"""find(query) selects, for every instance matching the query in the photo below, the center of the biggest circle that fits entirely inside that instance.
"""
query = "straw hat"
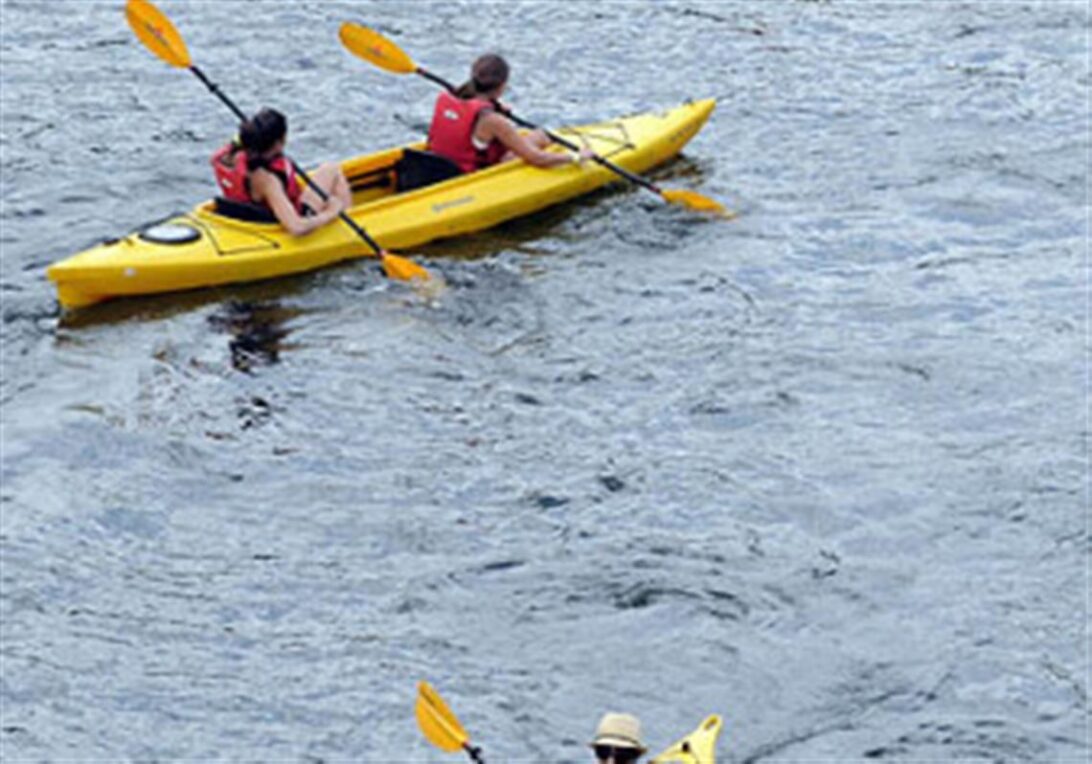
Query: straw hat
(621, 730)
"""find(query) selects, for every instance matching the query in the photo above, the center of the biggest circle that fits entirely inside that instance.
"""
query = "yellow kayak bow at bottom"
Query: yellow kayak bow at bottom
(699, 747)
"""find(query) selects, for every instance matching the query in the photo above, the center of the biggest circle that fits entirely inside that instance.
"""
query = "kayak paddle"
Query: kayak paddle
(368, 44)
(439, 725)
(158, 34)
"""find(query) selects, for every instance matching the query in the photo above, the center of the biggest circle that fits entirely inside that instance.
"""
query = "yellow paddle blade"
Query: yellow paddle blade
(374, 47)
(699, 747)
(157, 33)
(402, 269)
(695, 201)
(436, 721)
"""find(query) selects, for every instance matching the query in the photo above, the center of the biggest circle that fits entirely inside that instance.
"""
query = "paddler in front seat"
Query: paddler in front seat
(254, 170)
(468, 128)
(618, 739)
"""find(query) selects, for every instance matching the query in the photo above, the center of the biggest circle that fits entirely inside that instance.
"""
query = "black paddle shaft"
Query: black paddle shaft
(552, 136)
(215, 90)
(573, 147)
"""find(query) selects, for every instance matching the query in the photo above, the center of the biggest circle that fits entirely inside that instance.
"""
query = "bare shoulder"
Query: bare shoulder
(489, 116)
(497, 123)
(260, 175)
(262, 180)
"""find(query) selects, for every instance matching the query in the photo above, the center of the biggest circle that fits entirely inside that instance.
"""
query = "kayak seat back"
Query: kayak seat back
(249, 213)
(417, 169)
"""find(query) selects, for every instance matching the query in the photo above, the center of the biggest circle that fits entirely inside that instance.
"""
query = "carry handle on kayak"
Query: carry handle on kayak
(159, 35)
(368, 44)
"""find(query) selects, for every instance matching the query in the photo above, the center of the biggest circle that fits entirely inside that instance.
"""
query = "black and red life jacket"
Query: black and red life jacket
(451, 134)
(232, 168)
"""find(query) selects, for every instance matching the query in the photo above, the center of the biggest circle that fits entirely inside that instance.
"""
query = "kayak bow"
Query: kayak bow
(699, 747)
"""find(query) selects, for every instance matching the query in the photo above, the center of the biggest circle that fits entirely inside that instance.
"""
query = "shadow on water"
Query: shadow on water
(256, 329)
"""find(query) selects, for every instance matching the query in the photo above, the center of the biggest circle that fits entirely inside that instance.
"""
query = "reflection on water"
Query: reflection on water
(256, 331)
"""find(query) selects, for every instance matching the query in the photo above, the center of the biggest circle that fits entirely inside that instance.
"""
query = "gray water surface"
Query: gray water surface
(822, 470)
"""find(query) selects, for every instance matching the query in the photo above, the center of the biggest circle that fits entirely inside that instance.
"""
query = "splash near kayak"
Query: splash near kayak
(213, 245)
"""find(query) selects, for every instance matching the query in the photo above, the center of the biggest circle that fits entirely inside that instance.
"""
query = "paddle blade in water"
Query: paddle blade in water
(157, 33)
(374, 47)
(401, 269)
(695, 201)
(436, 721)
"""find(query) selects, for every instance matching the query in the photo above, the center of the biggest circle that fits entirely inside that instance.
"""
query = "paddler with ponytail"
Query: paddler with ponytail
(253, 170)
(469, 129)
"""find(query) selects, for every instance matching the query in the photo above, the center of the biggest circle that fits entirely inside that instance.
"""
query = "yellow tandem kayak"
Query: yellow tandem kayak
(204, 248)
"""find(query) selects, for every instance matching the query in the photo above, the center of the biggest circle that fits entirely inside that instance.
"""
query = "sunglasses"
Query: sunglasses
(616, 754)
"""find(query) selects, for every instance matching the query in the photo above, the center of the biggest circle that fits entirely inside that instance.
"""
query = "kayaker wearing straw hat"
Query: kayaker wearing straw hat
(468, 129)
(618, 739)
(253, 170)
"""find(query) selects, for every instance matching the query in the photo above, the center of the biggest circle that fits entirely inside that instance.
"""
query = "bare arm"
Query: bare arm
(268, 188)
(493, 125)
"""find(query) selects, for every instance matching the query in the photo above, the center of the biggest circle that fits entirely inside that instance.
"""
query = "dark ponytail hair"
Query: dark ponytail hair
(261, 132)
(488, 73)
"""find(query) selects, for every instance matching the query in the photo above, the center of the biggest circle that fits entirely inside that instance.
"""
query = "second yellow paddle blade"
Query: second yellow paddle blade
(374, 47)
(401, 269)
(436, 721)
(695, 201)
(157, 33)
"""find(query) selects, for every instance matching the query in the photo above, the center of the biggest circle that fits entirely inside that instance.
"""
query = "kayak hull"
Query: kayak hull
(223, 250)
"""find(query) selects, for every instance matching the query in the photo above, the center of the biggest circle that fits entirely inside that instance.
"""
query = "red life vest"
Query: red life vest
(232, 170)
(451, 134)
